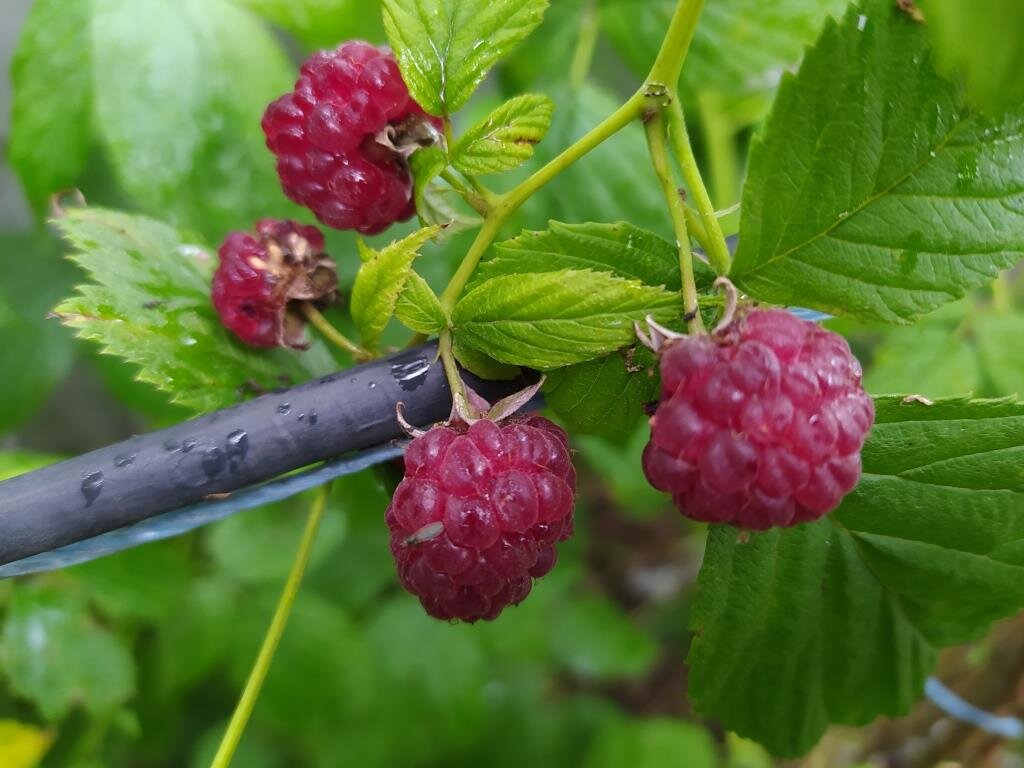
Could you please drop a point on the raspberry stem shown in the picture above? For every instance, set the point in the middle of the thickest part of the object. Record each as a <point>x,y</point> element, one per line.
<point>332,334</point>
<point>655,128</point>
<point>233,734</point>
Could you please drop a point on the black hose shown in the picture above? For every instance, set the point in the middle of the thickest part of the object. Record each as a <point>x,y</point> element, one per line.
<point>223,451</point>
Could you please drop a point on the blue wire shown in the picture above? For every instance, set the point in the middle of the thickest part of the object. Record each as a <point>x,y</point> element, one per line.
<point>188,518</point>
<point>998,725</point>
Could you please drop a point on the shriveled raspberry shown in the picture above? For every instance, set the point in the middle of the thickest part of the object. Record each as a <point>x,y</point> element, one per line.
<point>760,425</point>
<point>479,512</point>
<point>264,273</point>
<point>343,135</point>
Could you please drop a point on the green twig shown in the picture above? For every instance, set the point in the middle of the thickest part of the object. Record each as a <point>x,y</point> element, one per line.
<point>655,128</point>
<point>586,43</point>
<point>669,64</point>
<point>247,702</point>
<point>332,334</point>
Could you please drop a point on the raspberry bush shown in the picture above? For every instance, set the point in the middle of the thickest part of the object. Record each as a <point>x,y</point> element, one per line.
<point>694,271</point>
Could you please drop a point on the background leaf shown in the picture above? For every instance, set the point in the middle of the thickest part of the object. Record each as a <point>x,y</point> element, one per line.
<point>320,23</point>
<point>446,47</point>
<point>22,745</point>
<point>552,319</point>
<point>653,743</point>
<point>839,621</point>
<point>505,138</point>
<point>871,190</point>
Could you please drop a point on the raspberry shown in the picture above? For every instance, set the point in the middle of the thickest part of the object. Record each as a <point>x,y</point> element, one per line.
<point>760,425</point>
<point>262,274</point>
<point>343,135</point>
<point>479,512</point>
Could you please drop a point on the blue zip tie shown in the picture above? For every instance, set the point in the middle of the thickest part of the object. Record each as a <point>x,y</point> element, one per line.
<point>998,725</point>
<point>179,521</point>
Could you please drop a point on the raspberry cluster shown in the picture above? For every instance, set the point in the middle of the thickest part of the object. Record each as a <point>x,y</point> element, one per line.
<point>761,425</point>
<point>262,274</point>
<point>479,512</point>
<point>343,135</point>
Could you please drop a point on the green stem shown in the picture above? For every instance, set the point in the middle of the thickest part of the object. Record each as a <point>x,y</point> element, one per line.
<point>718,250</point>
<point>655,128</point>
<point>247,702</point>
<point>451,369</point>
<point>332,334</point>
<point>476,251</point>
<point>585,45</point>
<point>474,198</point>
<point>669,64</point>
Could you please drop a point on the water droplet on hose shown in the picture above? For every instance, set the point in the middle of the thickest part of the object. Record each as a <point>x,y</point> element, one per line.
<point>171,445</point>
<point>410,373</point>
<point>284,408</point>
<point>123,461</point>
<point>187,445</point>
<point>313,417</point>
<point>214,462</point>
<point>237,444</point>
<point>92,484</point>
<point>302,416</point>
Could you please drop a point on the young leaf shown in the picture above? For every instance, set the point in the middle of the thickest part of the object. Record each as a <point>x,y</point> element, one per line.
<point>981,40</point>
<point>547,320</point>
<point>418,308</point>
<point>381,280</point>
<point>605,396</point>
<point>446,47</point>
<point>839,621</point>
<point>505,138</point>
<point>871,190</point>
<point>150,304</point>
<point>622,248</point>
<point>51,104</point>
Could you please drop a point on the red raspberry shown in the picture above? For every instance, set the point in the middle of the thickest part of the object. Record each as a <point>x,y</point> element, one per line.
<point>342,138</point>
<point>478,513</point>
<point>761,425</point>
<point>260,276</point>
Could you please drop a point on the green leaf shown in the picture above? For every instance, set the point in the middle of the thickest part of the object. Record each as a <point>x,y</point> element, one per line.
<point>56,655</point>
<point>181,132</point>
<point>605,396</point>
<point>23,746</point>
<point>381,280</point>
<point>446,47</point>
<point>150,304</point>
<point>552,319</point>
<point>51,105</point>
<point>594,639</point>
<point>839,621</point>
<point>320,23</point>
<point>622,248</point>
<point>872,191</point>
<point>505,138</point>
<point>1000,352</point>
<point>418,307</point>
<point>481,364</point>
<point>658,742</point>
<point>981,40</point>
<point>926,359</point>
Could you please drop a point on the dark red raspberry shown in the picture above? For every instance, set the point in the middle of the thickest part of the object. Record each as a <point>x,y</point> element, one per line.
<point>261,275</point>
<point>343,136</point>
<point>478,513</point>
<point>761,425</point>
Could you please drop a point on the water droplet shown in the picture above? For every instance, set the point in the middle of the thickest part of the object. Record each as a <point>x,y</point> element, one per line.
<point>187,445</point>
<point>171,445</point>
<point>123,461</point>
<point>373,385</point>
<point>313,417</point>
<point>237,444</point>
<point>284,408</point>
<point>214,461</point>
<point>92,484</point>
<point>302,416</point>
<point>410,373</point>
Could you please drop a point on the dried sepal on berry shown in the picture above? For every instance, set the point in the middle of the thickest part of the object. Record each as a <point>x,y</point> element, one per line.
<point>264,275</point>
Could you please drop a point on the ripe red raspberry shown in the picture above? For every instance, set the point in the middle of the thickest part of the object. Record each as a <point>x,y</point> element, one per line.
<point>478,513</point>
<point>343,136</point>
<point>262,274</point>
<point>760,425</point>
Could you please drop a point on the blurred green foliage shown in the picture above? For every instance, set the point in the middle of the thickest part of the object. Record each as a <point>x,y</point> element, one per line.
<point>136,660</point>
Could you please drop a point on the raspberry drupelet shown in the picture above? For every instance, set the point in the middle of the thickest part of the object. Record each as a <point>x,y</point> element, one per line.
<point>479,512</point>
<point>262,275</point>
<point>342,138</point>
<point>760,424</point>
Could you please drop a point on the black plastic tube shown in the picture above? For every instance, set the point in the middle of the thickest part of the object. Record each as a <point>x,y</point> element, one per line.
<point>223,451</point>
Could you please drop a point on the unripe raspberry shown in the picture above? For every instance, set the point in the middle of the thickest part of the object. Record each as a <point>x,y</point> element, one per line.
<point>262,273</point>
<point>479,512</point>
<point>760,425</point>
<point>343,135</point>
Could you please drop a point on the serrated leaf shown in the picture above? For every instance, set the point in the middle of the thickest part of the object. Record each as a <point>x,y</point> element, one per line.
<point>149,303</point>
<point>605,396</point>
<point>51,105</point>
<point>381,280</point>
<point>418,307</point>
<point>622,248</point>
<point>981,41</point>
<point>446,47</point>
<point>55,654</point>
<point>871,190</point>
<point>182,135</point>
<point>547,320</point>
<point>839,621</point>
<point>505,138</point>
